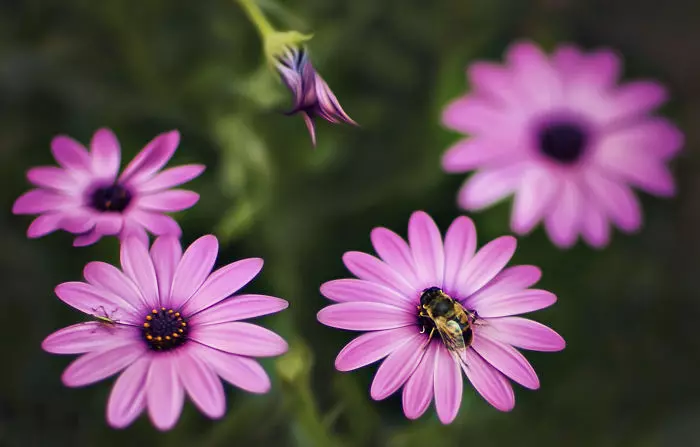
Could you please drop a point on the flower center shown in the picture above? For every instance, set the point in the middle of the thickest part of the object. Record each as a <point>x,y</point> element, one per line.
<point>437,310</point>
<point>164,329</point>
<point>111,198</point>
<point>563,141</point>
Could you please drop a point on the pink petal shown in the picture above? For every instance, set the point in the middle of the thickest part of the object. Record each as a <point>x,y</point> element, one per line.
<point>425,241</point>
<point>655,138</point>
<point>40,201</point>
<point>537,190</point>
<point>78,221</point>
<point>523,333</point>
<point>470,114</point>
<point>365,316</point>
<point>485,188</point>
<point>448,386</point>
<point>44,224</point>
<point>506,359</point>
<point>86,337</point>
<point>194,267</point>
<point>70,154</point>
<point>152,157</point>
<point>97,365</point>
<point>513,304</point>
<point>158,224</point>
<point>164,391</point>
<point>563,222</point>
<point>109,223</point>
<point>418,391</point>
<point>397,367</point>
<point>508,281</point>
<point>634,99</point>
<point>171,177</point>
<point>201,383</point>
<point>106,276</point>
<point>485,265</point>
<point>106,154</point>
<point>489,382</point>
<point>369,268</point>
<point>243,372</point>
<point>594,226</point>
<point>241,338</point>
<point>128,397</point>
<point>393,250</point>
<point>348,290</point>
<point>617,200</point>
<point>372,346</point>
<point>223,283</point>
<point>137,265</point>
<point>474,153</point>
<point>165,253</point>
<point>239,307</point>
<point>494,81</point>
<point>135,230</point>
<point>53,178</point>
<point>86,239</point>
<point>535,76</point>
<point>95,301</point>
<point>460,246</point>
<point>598,70</point>
<point>169,201</point>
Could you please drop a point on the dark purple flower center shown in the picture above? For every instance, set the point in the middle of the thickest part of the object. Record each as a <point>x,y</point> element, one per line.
<point>563,142</point>
<point>111,198</point>
<point>442,307</point>
<point>164,329</point>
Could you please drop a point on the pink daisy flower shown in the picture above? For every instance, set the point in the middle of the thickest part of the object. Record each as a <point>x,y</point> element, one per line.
<point>388,299</point>
<point>85,195</point>
<point>560,134</point>
<point>172,327</point>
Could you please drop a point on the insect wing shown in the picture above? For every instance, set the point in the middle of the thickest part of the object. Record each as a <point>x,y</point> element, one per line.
<point>451,333</point>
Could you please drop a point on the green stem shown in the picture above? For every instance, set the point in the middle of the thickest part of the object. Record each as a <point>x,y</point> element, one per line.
<point>256,16</point>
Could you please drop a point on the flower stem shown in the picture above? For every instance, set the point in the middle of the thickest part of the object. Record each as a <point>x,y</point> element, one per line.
<point>256,16</point>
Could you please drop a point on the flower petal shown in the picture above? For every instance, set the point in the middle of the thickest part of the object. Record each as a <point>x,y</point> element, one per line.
<point>97,365</point>
<point>534,75</point>
<point>372,346</point>
<point>470,114</point>
<point>398,367</point>
<point>537,190</point>
<point>165,253</point>
<point>86,337</point>
<point>426,245</point>
<point>44,224</point>
<point>508,281</point>
<point>86,239</point>
<point>594,226</point>
<point>635,99</point>
<point>194,268</point>
<point>469,154</point>
<point>171,177</point>
<point>137,265</point>
<point>158,224</point>
<point>348,290</point>
<point>95,301</point>
<point>106,276</point>
<point>448,386</point>
<point>152,157</point>
<point>563,222</point>
<point>523,333</point>
<point>128,397</point>
<point>55,178</point>
<point>617,200</point>
<point>418,391</point>
<point>168,201</point>
<point>40,201</point>
<point>106,154</point>
<point>486,264</point>
<point>365,316</point>
<point>223,283</point>
<point>487,187</point>
<point>201,383</point>
<point>653,137</point>
<point>70,154</point>
<point>135,230</point>
<point>460,246</point>
<point>109,223</point>
<point>513,304</point>
<point>240,338</point>
<point>393,250</point>
<point>369,268</point>
<point>164,391</point>
<point>490,383</point>
<point>239,307</point>
<point>506,359</point>
<point>243,372</point>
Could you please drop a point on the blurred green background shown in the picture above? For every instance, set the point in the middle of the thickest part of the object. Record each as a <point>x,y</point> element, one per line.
<point>628,376</point>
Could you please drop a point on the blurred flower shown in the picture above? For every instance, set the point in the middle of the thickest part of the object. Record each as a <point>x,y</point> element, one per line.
<point>386,300</point>
<point>171,326</point>
<point>85,197</point>
<point>312,96</point>
<point>565,138</point>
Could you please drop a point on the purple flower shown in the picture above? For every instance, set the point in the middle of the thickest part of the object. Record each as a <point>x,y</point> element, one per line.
<point>561,135</point>
<point>85,195</point>
<point>312,96</point>
<point>171,325</point>
<point>386,301</point>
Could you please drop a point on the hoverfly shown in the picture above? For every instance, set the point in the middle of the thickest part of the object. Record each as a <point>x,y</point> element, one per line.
<point>452,321</point>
